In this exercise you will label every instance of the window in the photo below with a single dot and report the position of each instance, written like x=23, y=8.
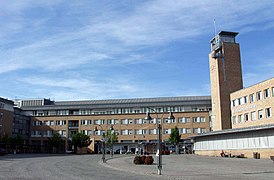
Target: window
x=61, y=123
x=253, y=116
x=273, y=91
x=234, y=120
x=259, y=96
x=196, y=119
x=240, y=118
x=184, y=130
x=233, y=103
x=251, y=98
x=239, y=101
x=152, y=131
x=260, y=114
x=167, y=131
x=202, y=119
x=196, y=130
x=246, y=117
x=266, y=93
x=124, y=132
x=168, y=121
x=203, y=130
x=139, y=121
x=245, y=99
x=84, y=122
x=268, y=112
x=124, y=121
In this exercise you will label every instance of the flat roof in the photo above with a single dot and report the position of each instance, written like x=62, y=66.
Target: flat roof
x=236, y=130
x=118, y=103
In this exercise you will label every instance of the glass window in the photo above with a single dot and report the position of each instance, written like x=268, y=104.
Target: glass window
x=253, y=116
x=240, y=118
x=234, y=120
x=246, y=116
x=260, y=114
x=259, y=95
x=266, y=93
x=251, y=98
x=268, y=112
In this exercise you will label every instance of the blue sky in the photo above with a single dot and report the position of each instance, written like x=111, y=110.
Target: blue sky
x=77, y=50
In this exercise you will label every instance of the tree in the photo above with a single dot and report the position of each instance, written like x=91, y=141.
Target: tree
x=110, y=135
x=54, y=141
x=174, y=138
x=80, y=140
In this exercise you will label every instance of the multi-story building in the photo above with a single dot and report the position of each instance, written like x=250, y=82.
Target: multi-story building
x=127, y=116
x=13, y=121
x=253, y=106
x=6, y=117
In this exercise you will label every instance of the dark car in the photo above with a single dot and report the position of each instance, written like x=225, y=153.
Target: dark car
x=2, y=151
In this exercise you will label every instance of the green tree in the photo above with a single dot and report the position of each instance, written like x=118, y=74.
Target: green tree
x=174, y=138
x=80, y=140
x=55, y=141
x=110, y=135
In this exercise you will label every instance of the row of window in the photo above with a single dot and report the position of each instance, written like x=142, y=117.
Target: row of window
x=122, y=121
x=253, y=97
x=118, y=111
x=253, y=116
x=122, y=132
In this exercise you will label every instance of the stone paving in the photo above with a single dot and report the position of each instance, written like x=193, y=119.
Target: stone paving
x=185, y=167
x=199, y=167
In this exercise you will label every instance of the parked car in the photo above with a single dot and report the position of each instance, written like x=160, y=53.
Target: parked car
x=2, y=151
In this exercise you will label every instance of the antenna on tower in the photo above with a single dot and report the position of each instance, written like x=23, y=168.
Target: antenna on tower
x=215, y=27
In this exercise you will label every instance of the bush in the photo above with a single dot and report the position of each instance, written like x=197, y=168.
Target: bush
x=165, y=152
x=138, y=160
x=143, y=159
x=149, y=160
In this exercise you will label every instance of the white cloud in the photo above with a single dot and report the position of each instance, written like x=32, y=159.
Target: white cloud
x=79, y=36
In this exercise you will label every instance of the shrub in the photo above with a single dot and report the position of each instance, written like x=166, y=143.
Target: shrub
x=138, y=160
x=149, y=160
x=165, y=152
x=143, y=159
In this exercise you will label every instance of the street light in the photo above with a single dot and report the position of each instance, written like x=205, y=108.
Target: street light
x=103, y=144
x=159, y=144
x=111, y=141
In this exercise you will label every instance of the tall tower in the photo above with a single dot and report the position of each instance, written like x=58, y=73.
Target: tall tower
x=225, y=76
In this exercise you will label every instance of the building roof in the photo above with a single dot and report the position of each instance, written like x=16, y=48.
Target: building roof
x=6, y=101
x=116, y=103
x=236, y=130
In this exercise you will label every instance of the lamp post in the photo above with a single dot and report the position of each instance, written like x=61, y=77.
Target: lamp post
x=103, y=144
x=159, y=129
x=111, y=141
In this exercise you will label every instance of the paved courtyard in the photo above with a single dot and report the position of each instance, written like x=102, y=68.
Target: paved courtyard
x=201, y=167
x=41, y=166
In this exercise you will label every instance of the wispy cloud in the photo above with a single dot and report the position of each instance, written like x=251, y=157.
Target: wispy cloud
x=99, y=37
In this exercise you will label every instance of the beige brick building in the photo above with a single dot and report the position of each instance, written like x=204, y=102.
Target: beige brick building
x=127, y=116
x=253, y=106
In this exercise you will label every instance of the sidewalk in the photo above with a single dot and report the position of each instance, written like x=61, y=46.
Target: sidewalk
x=187, y=166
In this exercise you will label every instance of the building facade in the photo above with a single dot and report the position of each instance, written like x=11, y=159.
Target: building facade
x=126, y=116
x=13, y=121
x=225, y=76
x=253, y=106
x=6, y=117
